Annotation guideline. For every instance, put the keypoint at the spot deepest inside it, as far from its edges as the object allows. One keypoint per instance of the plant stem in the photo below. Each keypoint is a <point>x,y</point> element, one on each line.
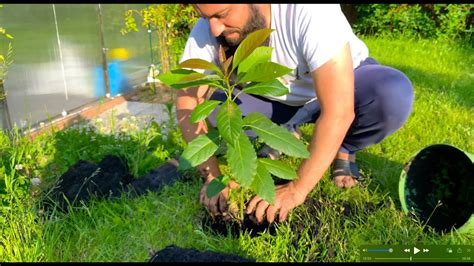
<point>229,89</point>
<point>241,209</point>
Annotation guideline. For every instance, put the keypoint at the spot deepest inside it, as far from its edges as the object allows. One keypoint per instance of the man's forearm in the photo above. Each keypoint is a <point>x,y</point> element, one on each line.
<point>184,106</point>
<point>327,138</point>
<point>190,131</point>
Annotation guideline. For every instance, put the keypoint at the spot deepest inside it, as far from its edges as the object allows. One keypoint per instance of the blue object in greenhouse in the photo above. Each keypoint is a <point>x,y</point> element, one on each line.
<point>117,79</point>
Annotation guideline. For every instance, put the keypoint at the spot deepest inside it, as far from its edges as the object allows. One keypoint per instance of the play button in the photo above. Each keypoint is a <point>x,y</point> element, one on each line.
<point>415,250</point>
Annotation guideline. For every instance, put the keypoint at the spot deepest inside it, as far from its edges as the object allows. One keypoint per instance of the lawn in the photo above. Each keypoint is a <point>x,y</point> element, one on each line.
<point>126,229</point>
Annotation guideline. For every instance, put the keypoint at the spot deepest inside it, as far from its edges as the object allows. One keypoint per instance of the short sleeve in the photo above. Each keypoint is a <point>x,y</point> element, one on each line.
<point>201,44</point>
<point>324,30</point>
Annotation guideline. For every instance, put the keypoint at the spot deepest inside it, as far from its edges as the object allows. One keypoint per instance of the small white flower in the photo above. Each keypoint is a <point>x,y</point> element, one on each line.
<point>99,120</point>
<point>35,181</point>
<point>18,167</point>
<point>42,124</point>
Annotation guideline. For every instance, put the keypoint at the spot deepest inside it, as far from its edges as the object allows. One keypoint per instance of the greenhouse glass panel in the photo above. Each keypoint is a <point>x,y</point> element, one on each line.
<point>58,64</point>
<point>128,55</point>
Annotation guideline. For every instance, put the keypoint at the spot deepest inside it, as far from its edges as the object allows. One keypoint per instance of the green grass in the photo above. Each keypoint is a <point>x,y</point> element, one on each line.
<point>130,229</point>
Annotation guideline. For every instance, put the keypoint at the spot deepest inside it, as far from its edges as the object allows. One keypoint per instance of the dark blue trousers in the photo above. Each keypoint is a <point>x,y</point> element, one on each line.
<point>383,102</point>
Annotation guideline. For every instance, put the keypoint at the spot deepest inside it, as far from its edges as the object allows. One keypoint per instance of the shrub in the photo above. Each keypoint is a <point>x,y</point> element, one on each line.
<point>432,21</point>
<point>172,24</point>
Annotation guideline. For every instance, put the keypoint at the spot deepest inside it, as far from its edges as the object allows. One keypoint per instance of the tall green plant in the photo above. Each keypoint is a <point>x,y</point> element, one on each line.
<point>254,70</point>
<point>171,23</point>
<point>5,60</point>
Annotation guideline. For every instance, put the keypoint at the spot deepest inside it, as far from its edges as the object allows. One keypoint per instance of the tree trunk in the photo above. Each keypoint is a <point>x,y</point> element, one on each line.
<point>163,50</point>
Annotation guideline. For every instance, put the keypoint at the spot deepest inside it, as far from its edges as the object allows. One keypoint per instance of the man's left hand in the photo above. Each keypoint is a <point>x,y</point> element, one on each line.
<point>287,197</point>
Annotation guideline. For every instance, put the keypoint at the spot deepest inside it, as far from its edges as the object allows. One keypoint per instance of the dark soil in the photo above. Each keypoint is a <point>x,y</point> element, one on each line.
<point>155,180</point>
<point>107,179</point>
<point>177,254</point>
<point>85,179</point>
<point>441,173</point>
<point>305,220</point>
<point>223,226</point>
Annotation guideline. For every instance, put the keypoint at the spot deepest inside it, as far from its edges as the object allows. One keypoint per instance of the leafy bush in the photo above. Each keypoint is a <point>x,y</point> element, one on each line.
<point>5,60</point>
<point>438,21</point>
<point>172,24</point>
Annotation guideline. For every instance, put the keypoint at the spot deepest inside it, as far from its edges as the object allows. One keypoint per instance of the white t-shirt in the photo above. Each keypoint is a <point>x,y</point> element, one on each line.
<point>306,36</point>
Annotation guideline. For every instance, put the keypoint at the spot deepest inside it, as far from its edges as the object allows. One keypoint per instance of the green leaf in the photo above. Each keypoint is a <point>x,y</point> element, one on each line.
<point>184,164</point>
<point>214,187</point>
<point>264,72</point>
<point>203,110</point>
<point>279,169</point>
<point>248,45</point>
<point>229,121</point>
<point>174,76</point>
<point>263,184</point>
<point>198,151</point>
<point>205,81</point>
<point>184,78</point>
<point>242,160</point>
<point>200,64</point>
<point>272,88</point>
<point>259,55</point>
<point>192,77</point>
<point>275,136</point>
<point>9,36</point>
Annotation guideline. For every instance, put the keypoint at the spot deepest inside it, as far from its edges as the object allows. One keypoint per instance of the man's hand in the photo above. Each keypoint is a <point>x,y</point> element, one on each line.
<point>287,197</point>
<point>217,205</point>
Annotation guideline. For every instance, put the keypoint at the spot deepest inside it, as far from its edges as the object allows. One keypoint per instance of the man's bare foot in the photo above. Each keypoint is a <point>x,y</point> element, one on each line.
<point>344,181</point>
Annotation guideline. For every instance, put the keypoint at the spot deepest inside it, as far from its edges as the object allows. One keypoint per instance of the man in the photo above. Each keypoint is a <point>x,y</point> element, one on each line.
<point>353,100</point>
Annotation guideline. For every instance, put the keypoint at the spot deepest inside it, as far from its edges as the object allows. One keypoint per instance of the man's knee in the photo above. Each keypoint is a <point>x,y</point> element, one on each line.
<point>396,96</point>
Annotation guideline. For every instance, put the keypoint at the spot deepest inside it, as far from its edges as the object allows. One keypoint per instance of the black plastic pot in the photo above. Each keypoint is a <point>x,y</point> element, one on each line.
<point>437,185</point>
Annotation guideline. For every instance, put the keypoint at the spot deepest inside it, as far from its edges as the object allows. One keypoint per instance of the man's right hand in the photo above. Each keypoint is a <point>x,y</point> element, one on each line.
<point>217,205</point>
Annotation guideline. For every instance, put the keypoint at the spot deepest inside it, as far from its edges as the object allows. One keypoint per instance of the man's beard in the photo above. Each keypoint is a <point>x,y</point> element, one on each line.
<point>256,22</point>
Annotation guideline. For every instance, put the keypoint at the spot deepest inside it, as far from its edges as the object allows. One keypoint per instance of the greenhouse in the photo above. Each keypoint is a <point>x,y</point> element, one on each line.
<point>68,56</point>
